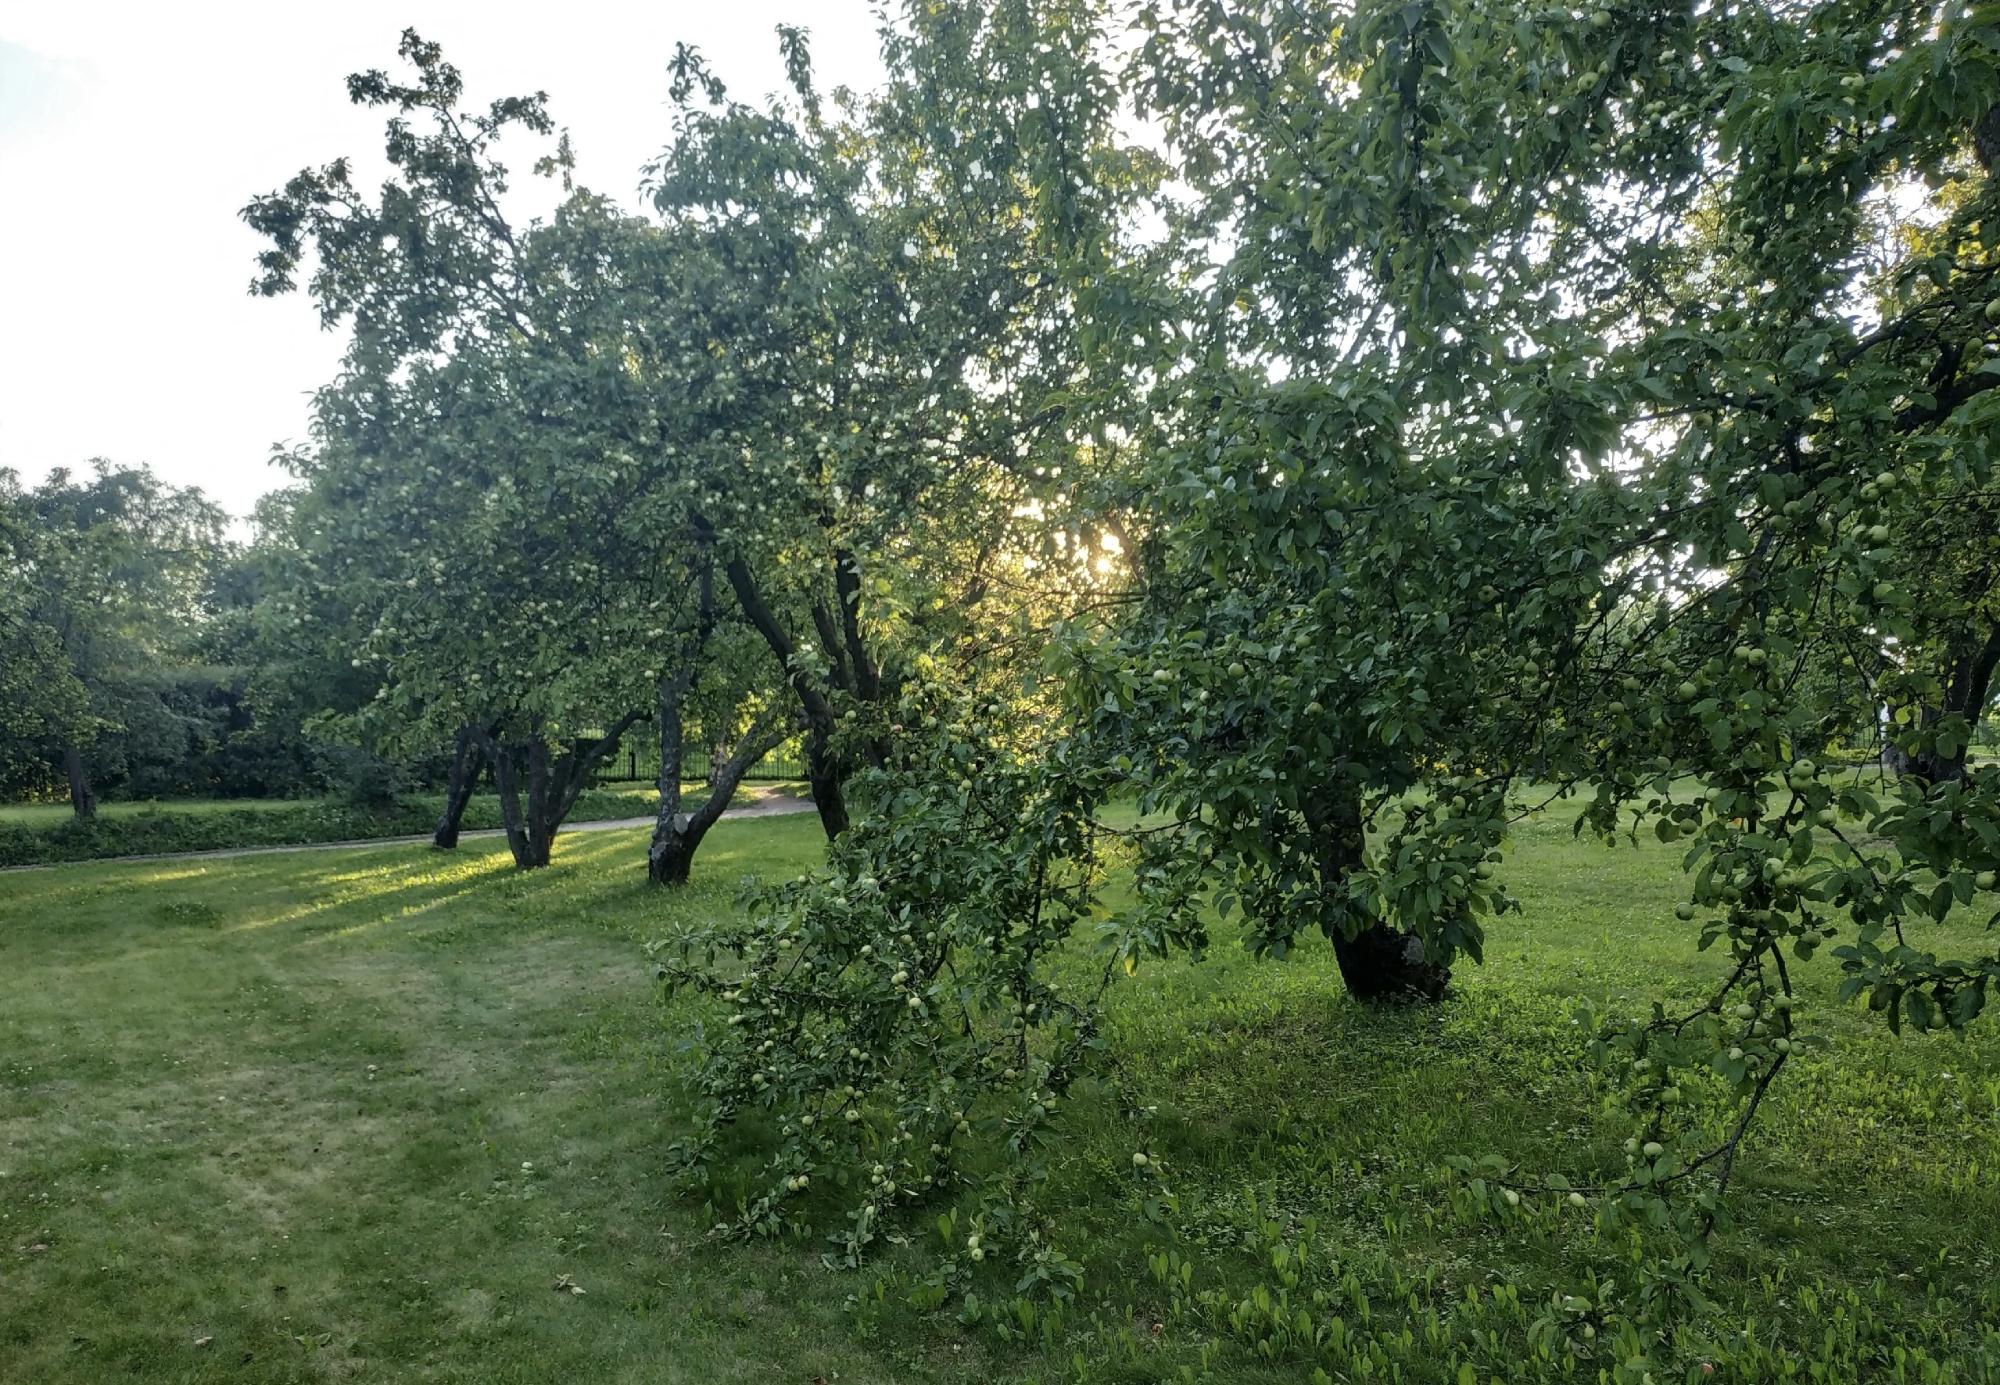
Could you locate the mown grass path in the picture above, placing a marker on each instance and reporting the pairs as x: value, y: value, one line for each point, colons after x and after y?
x: 355, y: 1115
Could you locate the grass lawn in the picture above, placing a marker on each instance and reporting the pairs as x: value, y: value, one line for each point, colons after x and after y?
x: 640, y: 798
x: 42, y: 834
x: 355, y: 1115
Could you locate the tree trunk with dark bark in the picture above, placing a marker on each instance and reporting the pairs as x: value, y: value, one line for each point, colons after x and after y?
x: 507, y: 780
x: 82, y: 801
x: 677, y: 835
x: 825, y: 769
x: 465, y: 759
x: 1377, y: 961
x: 1968, y: 688
x: 553, y: 783
x: 827, y: 778
x: 670, y: 853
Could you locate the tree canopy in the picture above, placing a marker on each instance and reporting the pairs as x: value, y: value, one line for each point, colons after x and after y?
x: 108, y: 576
x: 1535, y: 405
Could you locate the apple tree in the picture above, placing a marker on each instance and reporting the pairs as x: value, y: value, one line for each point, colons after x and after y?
x: 1560, y: 406
x: 486, y: 490
x: 881, y: 360
x: 111, y: 583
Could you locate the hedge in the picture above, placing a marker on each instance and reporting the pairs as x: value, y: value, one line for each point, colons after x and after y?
x: 165, y: 830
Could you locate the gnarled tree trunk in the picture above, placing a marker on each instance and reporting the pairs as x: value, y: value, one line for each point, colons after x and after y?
x: 465, y: 757
x: 82, y: 801
x: 553, y: 783
x: 676, y: 834
x: 1377, y: 961
x: 825, y: 770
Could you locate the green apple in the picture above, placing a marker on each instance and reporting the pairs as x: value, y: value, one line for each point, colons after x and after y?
x: 1985, y: 879
x: 1993, y: 310
x: 1140, y: 1159
x: 1653, y: 1149
x: 1684, y: 912
x: 1688, y: 691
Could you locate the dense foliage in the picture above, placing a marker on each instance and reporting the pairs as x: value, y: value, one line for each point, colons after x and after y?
x: 107, y: 583
x: 1591, y: 406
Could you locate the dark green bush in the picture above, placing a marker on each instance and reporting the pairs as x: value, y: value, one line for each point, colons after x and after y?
x: 166, y: 829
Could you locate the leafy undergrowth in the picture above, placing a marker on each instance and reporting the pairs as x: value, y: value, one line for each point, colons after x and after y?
x: 213, y: 825
x: 309, y: 1117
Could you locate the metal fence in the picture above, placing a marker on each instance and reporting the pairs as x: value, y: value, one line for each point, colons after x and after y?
x: 637, y: 762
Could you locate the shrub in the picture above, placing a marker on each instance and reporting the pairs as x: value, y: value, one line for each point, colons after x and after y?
x: 165, y: 830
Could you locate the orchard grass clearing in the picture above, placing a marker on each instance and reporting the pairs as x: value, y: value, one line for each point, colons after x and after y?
x: 46, y: 834
x: 639, y: 798
x: 299, y: 1117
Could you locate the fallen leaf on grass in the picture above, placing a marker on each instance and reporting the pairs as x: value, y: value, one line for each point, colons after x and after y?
x: 566, y: 1285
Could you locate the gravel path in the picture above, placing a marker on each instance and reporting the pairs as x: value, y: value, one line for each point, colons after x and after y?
x: 763, y: 806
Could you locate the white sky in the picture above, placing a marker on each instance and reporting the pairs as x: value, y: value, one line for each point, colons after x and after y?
x: 131, y: 133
